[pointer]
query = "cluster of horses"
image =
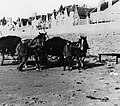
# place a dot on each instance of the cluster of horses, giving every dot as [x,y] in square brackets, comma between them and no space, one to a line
[41,47]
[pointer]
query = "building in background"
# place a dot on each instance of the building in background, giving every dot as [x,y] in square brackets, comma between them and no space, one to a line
[72,15]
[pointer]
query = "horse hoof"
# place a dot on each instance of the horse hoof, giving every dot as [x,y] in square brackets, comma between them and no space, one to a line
[70,69]
[80,72]
[38,69]
[63,69]
[26,67]
[19,69]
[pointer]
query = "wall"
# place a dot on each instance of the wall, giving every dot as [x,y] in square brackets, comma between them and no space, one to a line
[110,14]
[102,38]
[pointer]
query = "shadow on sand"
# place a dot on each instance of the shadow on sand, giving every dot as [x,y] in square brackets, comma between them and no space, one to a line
[94,64]
[31,65]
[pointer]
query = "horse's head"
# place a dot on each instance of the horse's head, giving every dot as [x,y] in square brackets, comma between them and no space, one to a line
[44,36]
[83,43]
[39,39]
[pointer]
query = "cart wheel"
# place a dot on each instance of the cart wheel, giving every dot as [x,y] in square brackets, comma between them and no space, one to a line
[1,59]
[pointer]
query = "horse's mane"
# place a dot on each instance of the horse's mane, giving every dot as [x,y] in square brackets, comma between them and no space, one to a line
[40,36]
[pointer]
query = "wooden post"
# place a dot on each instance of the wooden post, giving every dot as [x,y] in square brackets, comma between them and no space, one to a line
[116,59]
[100,57]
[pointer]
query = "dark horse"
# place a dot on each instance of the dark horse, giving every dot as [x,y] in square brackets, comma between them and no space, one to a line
[31,47]
[76,50]
[8,45]
[54,47]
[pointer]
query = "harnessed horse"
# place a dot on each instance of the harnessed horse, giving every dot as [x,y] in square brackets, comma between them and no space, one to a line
[30,48]
[76,50]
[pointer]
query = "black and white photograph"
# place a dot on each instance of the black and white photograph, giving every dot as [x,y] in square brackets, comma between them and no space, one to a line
[60,53]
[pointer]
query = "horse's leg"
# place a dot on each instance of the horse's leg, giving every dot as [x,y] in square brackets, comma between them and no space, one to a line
[23,61]
[19,59]
[82,62]
[61,59]
[70,63]
[65,63]
[37,63]
[79,60]
[44,59]
[25,65]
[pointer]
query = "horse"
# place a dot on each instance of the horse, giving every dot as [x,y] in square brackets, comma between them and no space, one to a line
[54,47]
[8,45]
[76,50]
[30,47]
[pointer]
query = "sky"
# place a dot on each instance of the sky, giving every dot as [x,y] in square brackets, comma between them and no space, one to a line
[26,8]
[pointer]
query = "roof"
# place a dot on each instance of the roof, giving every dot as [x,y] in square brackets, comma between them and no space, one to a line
[69,9]
[54,13]
[49,16]
[31,18]
[82,12]
[61,9]
[94,9]
[104,6]
[114,1]
[38,17]
[43,17]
